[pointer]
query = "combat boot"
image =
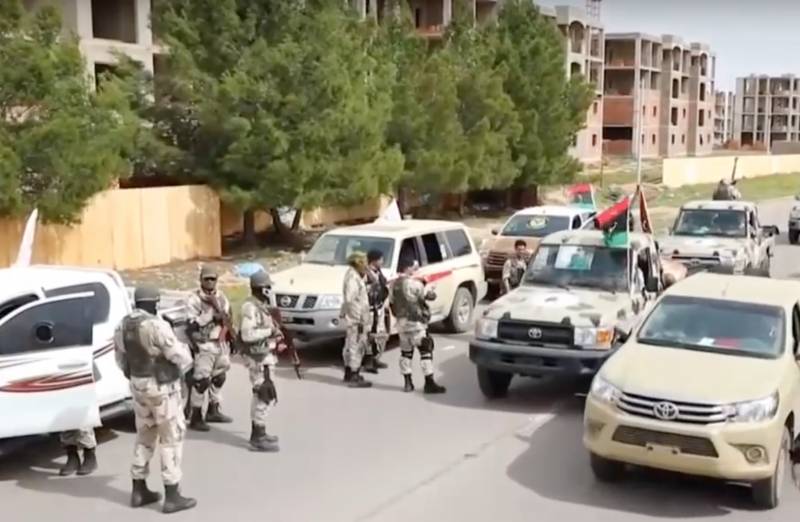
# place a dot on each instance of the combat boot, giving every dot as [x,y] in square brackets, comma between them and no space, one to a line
[348,374]
[260,440]
[432,387]
[197,422]
[73,462]
[409,383]
[369,364]
[141,495]
[89,463]
[214,415]
[357,381]
[174,501]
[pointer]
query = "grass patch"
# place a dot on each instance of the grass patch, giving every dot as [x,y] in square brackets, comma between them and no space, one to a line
[752,189]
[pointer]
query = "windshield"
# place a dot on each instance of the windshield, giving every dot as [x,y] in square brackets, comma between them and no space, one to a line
[578,265]
[535,226]
[703,222]
[333,249]
[715,325]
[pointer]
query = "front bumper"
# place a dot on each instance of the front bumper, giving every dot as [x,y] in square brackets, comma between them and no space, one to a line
[314,325]
[534,361]
[705,450]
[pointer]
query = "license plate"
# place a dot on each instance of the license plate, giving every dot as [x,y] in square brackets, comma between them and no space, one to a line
[658,448]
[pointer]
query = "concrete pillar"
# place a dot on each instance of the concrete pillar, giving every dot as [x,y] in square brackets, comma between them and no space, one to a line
[144,32]
[447,12]
[83,18]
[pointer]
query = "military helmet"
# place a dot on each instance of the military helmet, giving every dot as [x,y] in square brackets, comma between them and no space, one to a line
[260,279]
[146,293]
[208,272]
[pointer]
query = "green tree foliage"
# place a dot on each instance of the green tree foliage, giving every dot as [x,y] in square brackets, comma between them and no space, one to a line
[550,107]
[60,143]
[278,103]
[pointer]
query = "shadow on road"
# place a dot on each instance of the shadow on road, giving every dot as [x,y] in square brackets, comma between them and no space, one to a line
[556,466]
[35,468]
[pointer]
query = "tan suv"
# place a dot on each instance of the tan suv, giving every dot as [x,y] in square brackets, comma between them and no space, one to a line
[708,385]
[310,294]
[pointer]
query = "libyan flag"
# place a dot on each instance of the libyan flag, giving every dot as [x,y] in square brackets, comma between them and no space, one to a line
[581,195]
[615,221]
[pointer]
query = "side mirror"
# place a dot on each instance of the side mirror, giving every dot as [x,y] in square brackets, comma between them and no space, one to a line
[495,231]
[620,335]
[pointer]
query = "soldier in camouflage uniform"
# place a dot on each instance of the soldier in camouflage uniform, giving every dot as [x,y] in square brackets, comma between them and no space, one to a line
[357,318]
[72,441]
[378,292]
[153,360]
[409,304]
[259,335]
[213,351]
[514,267]
[726,191]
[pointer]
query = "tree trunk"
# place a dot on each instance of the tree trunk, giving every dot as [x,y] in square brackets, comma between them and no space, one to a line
[277,224]
[462,199]
[249,228]
[298,218]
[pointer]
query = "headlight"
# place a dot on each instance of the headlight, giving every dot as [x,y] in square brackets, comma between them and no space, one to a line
[486,328]
[754,411]
[594,338]
[329,302]
[604,391]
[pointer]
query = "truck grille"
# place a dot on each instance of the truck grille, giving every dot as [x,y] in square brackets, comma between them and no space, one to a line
[535,333]
[496,259]
[310,302]
[286,301]
[687,444]
[688,412]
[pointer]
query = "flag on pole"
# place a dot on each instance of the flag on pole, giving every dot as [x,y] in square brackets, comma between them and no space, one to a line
[615,223]
[25,253]
[581,195]
[390,213]
[644,214]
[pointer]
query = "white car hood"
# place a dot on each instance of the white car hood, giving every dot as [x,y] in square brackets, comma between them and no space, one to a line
[310,278]
[705,246]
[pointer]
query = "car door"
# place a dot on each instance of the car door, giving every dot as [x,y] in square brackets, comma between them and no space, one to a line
[757,240]
[46,378]
[437,272]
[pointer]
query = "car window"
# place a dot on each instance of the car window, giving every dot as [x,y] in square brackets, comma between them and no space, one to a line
[579,265]
[459,243]
[17,302]
[716,325]
[48,326]
[435,252]
[409,250]
[708,222]
[101,302]
[535,226]
[796,327]
[334,249]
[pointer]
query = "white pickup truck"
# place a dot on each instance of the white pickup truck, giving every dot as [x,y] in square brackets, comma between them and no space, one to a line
[57,365]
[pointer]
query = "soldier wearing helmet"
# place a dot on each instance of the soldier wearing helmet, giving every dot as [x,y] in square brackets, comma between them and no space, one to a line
[153,360]
[259,335]
[357,318]
[209,313]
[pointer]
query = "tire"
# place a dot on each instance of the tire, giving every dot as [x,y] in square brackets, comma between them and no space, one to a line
[767,493]
[493,385]
[606,470]
[793,236]
[460,317]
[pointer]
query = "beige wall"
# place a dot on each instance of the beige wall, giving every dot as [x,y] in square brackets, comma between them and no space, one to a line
[127,229]
[687,171]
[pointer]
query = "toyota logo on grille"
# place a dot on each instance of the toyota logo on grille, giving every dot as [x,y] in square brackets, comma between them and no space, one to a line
[535,333]
[666,411]
[286,301]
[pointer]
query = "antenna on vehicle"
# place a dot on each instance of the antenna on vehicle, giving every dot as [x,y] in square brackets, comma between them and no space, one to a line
[25,253]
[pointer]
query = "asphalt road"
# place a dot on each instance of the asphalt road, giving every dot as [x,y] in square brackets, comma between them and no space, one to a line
[383,455]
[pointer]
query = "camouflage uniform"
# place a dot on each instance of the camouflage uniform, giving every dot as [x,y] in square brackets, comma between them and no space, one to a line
[212,361]
[157,405]
[513,271]
[379,331]
[83,438]
[409,304]
[356,314]
[258,333]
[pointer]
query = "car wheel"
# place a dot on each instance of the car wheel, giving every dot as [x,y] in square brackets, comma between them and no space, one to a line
[767,493]
[493,385]
[793,236]
[461,312]
[606,470]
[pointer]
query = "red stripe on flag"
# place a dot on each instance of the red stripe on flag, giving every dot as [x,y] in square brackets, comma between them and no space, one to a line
[580,188]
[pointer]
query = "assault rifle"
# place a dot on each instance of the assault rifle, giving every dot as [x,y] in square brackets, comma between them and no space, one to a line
[228,332]
[286,339]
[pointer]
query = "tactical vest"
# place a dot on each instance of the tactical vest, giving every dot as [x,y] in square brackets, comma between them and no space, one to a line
[378,289]
[260,348]
[140,362]
[515,278]
[402,307]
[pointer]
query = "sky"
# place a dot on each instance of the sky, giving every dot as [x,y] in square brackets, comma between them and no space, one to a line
[748,36]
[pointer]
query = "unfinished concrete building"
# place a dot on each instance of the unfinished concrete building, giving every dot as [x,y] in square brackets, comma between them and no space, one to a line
[106,27]
[723,117]
[767,110]
[672,113]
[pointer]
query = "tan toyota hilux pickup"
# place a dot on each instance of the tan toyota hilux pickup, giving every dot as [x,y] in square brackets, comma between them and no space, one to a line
[708,385]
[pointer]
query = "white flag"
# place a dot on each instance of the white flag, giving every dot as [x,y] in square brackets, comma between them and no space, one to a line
[391,213]
[26,245]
